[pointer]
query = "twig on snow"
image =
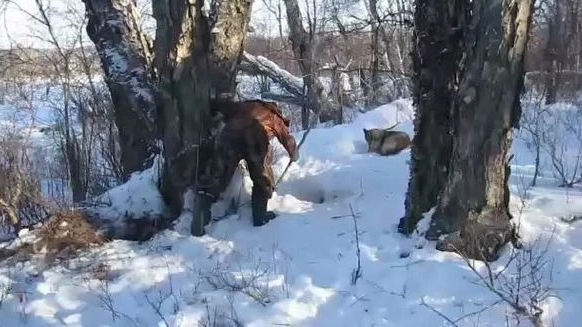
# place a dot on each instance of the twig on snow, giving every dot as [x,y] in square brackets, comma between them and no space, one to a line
[357,272]
[440,314]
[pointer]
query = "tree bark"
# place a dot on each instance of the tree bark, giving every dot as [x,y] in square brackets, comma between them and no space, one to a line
[303,50]
[553,54]
[475,199]
[181,47]
[438,41]
[124,51]
[227,35]
[194,58]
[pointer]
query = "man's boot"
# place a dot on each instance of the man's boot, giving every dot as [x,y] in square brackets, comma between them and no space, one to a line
[202,214]
[260,214]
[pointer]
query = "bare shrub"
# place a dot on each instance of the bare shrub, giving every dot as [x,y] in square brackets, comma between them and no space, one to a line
[553,134]
[220,317]
[5,291]
[64,78]
[252,283]
[356,272]
[20,196]
[106,302]
[523,282]
[534,128]
[562,141]
[61,238]
[68,230]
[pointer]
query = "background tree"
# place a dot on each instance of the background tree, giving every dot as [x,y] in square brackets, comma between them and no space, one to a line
[305,45]
[62,76]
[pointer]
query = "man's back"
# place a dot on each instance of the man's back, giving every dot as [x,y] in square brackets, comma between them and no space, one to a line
[242,117]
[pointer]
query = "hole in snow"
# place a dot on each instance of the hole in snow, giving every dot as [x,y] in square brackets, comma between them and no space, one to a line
[304,190]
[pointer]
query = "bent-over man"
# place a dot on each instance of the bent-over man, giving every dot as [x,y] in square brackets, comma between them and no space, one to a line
[248,127]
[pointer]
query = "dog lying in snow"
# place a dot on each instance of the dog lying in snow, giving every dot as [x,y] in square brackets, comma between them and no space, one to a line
[386,142]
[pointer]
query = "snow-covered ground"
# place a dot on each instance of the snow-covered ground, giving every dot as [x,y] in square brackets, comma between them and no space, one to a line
[297,270]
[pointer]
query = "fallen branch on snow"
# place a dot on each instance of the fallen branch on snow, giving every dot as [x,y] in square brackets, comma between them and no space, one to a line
[258,65]
[357,272]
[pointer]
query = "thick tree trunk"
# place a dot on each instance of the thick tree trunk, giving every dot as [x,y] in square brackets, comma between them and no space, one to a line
[476,197]
[438,41]
[227,35]
[124,50]
[303,51]
[194,58]
[181,47]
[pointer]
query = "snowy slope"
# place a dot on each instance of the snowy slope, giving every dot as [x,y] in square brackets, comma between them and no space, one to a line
[297,270]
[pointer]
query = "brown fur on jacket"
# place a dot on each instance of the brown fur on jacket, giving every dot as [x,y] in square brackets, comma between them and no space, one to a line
[240,116]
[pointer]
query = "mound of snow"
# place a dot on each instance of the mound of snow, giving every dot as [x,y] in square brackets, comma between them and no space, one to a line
[137,197]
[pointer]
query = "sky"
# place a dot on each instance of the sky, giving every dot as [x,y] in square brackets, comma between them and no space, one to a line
[17,25]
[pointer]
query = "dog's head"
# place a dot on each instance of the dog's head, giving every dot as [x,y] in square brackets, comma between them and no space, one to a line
[366,134]
[372,134]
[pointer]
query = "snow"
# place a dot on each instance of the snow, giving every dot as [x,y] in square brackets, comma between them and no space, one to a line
[297,269]
[137,198]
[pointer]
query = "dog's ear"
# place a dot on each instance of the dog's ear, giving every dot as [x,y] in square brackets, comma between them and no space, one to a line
[366,132]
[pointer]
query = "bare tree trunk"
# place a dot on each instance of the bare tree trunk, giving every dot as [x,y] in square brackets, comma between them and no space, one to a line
[364,83]
[181,46]
[125,55]
[193,58]
[476,196]
[372,98]
[551,54]
[438,41]
[303,51]
[380,32]
[537,166]
[227,35]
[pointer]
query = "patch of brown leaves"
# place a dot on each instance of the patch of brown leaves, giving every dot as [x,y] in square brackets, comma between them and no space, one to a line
[67,230]
[61,236]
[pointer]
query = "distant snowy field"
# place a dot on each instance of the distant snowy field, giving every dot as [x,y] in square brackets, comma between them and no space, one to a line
[296,270]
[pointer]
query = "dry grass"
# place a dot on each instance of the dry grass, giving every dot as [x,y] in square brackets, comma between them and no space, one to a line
[62,236]
[68,230]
